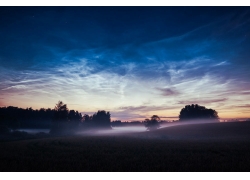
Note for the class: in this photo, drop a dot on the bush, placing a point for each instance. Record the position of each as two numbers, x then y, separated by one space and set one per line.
153 123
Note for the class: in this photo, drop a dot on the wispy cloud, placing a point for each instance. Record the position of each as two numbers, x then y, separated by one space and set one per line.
146 108
168 91
243 106
202 101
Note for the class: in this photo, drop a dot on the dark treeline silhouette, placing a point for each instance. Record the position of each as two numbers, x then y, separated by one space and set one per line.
116 123
99 120
59 120
197 112
16 118
153 123
68 122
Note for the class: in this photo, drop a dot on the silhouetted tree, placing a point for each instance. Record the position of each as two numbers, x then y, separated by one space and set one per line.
10 117
15 118
101 119
196 112
74 119
60 118
153 123
87 118
18 118
61 111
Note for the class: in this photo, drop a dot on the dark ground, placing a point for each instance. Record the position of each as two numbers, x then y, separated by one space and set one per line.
202 147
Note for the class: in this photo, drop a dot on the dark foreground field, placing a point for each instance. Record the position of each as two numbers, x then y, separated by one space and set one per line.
201 147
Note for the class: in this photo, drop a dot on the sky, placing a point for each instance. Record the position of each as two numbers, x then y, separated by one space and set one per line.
132 61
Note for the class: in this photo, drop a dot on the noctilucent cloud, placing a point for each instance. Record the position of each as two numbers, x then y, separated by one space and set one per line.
132 61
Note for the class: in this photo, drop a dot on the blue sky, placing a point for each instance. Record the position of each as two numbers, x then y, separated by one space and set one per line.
131 61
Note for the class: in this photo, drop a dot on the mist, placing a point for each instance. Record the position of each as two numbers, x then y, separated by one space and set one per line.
35 131
115 130
187 122
128 130
123 130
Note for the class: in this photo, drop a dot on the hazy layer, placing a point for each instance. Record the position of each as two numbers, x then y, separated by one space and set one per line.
115 130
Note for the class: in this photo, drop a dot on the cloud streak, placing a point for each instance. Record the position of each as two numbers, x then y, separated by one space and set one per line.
202 101
168 91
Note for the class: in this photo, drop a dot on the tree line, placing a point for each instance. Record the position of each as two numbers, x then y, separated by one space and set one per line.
68 122
58 120
15 118
61 119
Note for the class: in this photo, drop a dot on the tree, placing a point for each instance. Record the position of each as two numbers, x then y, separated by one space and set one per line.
15 118
74 119
153 123
60 118
87 118
61 111
196 112
101 119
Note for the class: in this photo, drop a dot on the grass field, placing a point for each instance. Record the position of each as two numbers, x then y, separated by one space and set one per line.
197 147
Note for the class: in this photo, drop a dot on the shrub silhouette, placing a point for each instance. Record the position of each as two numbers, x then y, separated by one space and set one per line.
196 112
153 123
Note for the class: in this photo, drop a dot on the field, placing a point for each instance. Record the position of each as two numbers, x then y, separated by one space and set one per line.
196 147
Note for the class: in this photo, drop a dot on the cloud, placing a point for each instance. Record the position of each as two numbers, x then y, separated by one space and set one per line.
202 101
243 106
205 62
15 87
244 92
120 115
168 91
146 108
235 91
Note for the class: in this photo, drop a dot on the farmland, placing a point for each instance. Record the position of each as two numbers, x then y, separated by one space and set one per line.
194 147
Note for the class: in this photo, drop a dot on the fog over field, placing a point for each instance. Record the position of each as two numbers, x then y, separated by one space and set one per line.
175 130
114 130
190 147
125 129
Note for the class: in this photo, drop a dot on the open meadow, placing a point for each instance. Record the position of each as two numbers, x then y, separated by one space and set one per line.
195 147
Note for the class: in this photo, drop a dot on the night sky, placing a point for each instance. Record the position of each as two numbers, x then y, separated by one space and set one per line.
132 61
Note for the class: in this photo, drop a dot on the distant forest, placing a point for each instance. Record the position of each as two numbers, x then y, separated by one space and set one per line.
58 119
61 119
